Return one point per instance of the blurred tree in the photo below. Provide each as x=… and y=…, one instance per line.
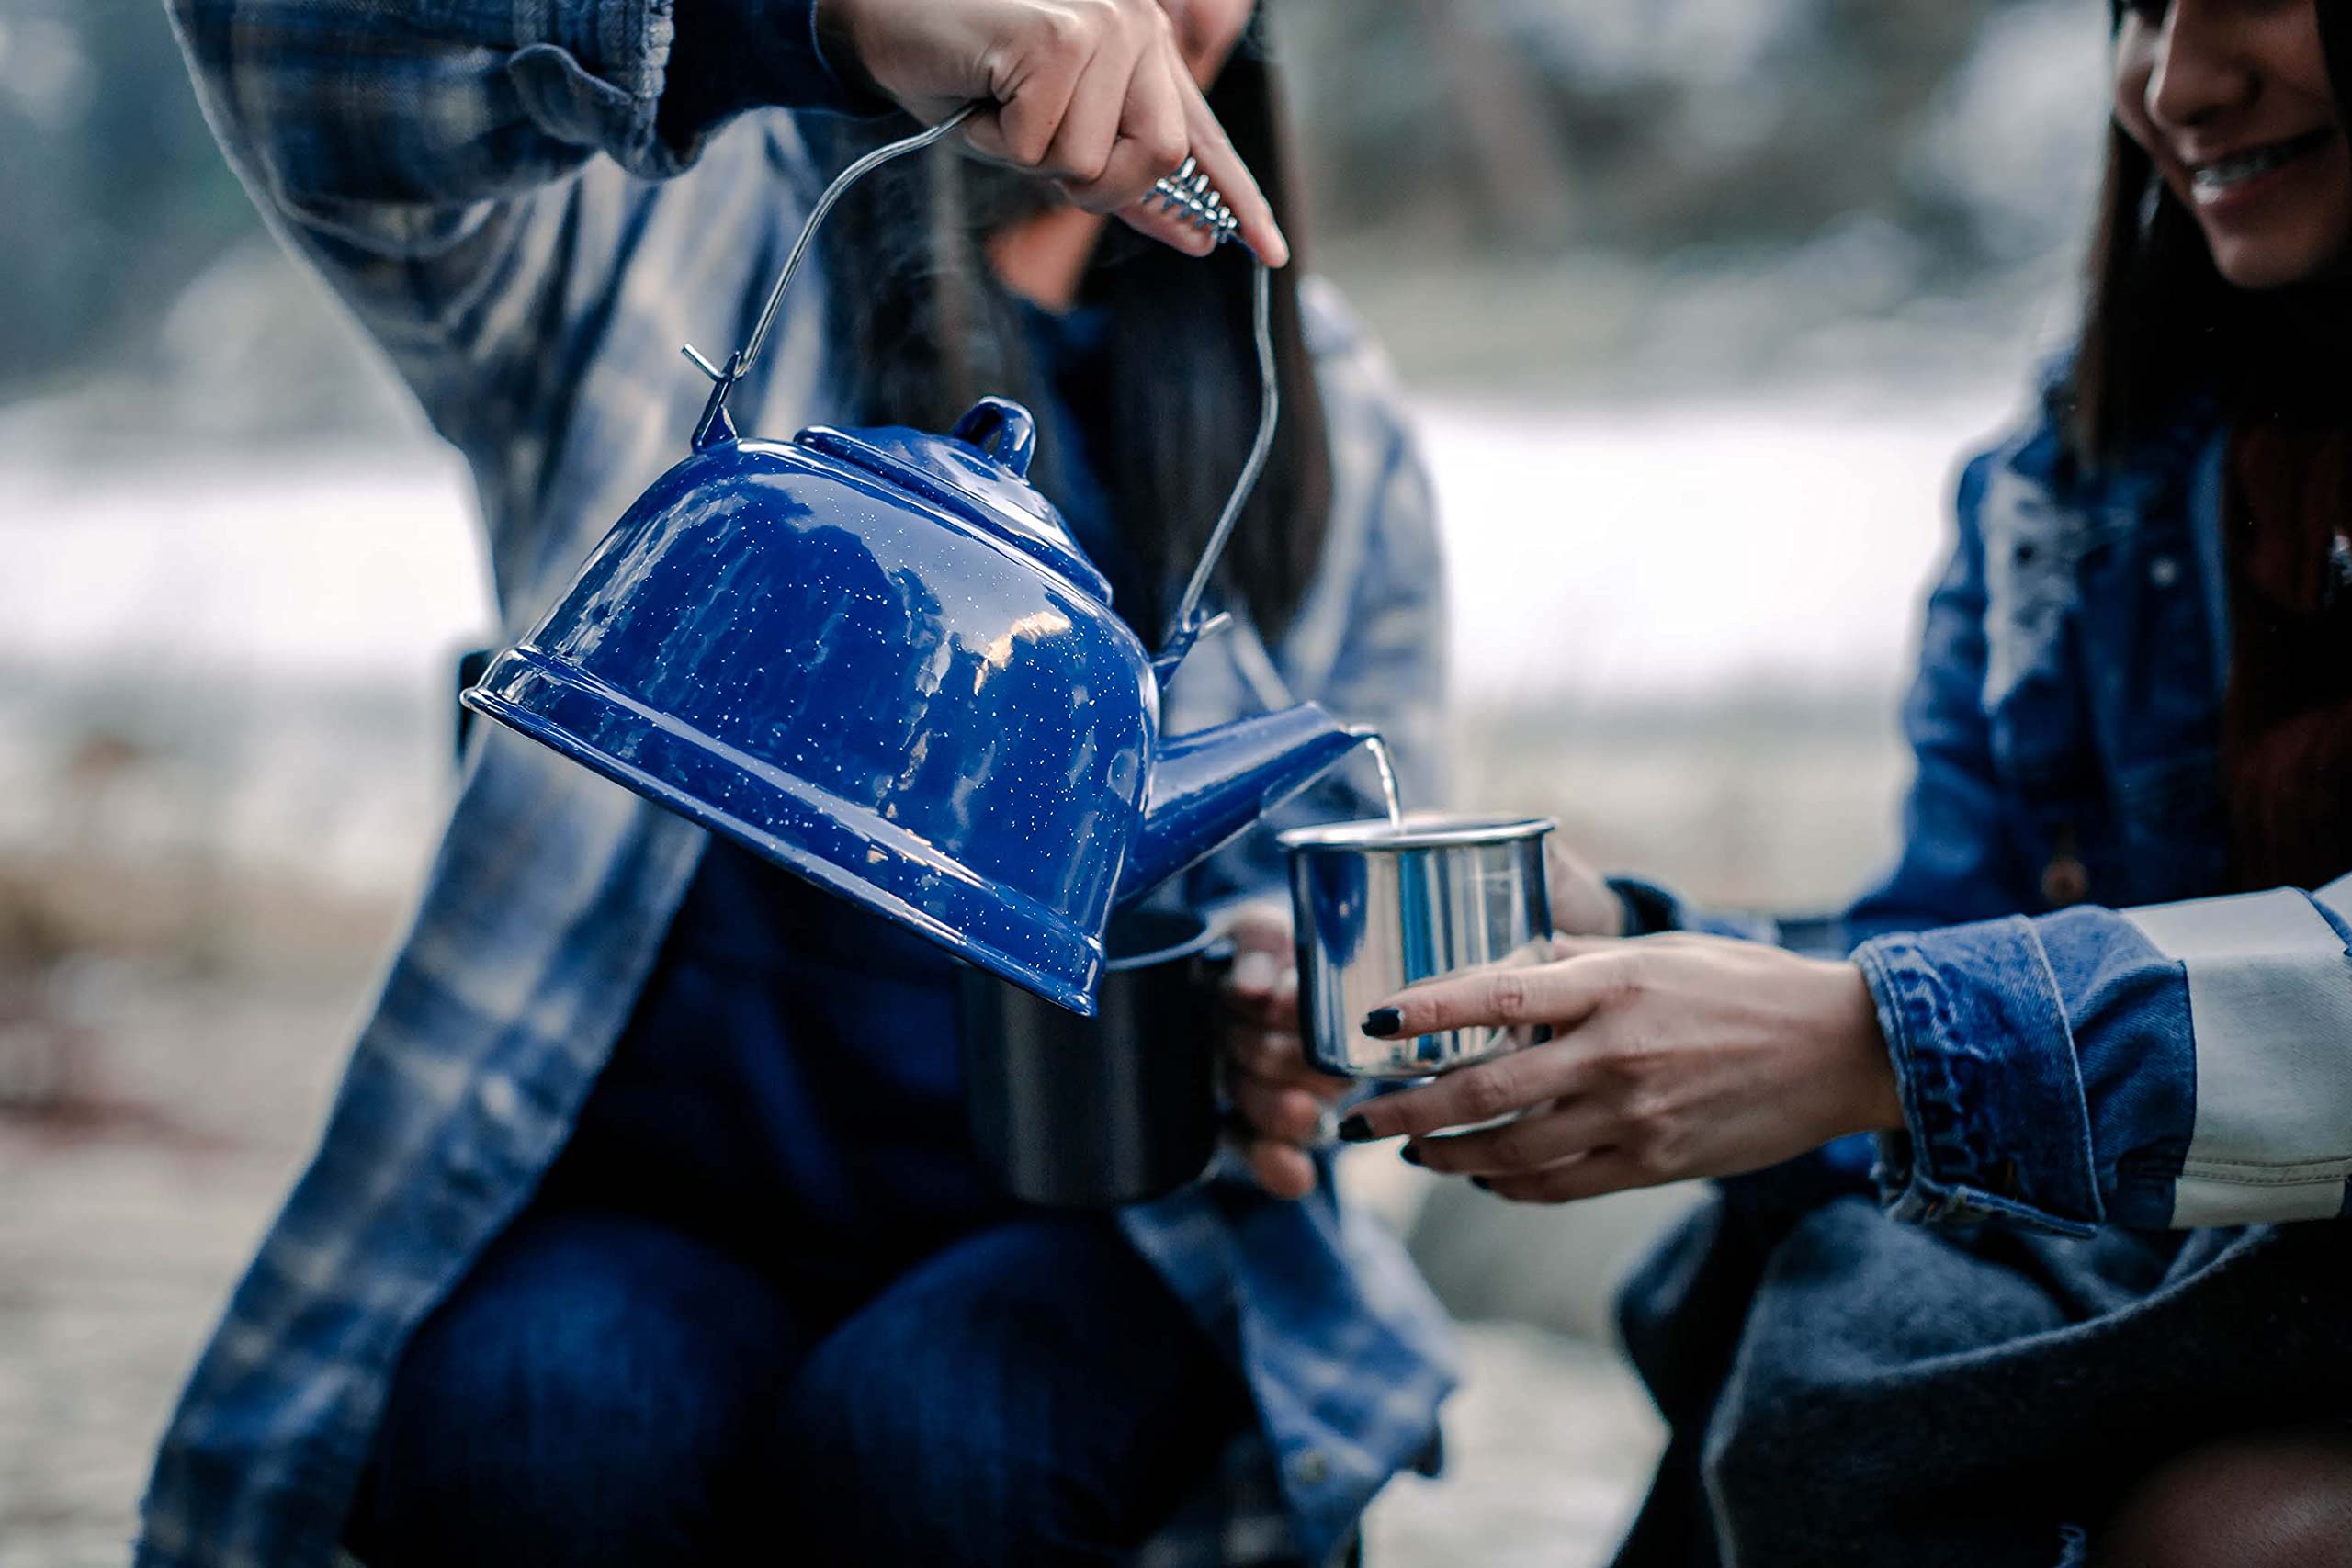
x=112, y=193
x=1638, y=130
x=1636, y=126
x=1492, y=99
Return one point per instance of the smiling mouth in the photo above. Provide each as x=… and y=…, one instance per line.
x=2255, y=163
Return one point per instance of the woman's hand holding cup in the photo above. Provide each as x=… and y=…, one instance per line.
x=1671, y=1057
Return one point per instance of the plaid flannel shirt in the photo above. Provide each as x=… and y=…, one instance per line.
x=485, y=184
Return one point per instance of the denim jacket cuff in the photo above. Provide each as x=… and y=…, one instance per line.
x=1995, y=1123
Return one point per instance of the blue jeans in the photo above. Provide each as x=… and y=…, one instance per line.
x=605, y=1389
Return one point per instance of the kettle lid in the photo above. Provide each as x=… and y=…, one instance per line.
x=980, y=471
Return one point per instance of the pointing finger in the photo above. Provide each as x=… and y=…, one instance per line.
x=1228, y=174
x=1562, y=994
x=1232, y=178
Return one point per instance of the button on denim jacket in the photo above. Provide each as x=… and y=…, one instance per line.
x=2152, y=1055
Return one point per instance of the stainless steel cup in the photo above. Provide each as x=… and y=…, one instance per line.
x=1378, y=908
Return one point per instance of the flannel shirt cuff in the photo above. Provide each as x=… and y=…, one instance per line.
x=591, y=72
x=1996, y=1120
x=596, y=72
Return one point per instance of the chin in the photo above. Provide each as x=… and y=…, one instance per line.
x=2260, y=264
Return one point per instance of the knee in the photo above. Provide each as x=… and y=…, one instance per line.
x=2268, y=1501
x=890, y=1466
x=581, y=1400
x=484, y=1463
x=994, y=1406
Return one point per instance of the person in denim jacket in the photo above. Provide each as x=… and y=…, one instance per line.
x=2099, y=1016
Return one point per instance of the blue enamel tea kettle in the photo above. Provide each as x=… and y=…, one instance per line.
x=880, y=658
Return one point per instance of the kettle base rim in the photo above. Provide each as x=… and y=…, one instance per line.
x=1072, y=989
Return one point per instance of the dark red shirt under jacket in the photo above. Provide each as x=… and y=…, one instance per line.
x=2287, y=719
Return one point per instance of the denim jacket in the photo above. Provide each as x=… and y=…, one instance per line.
x=494, y=187
x=2085, y=1030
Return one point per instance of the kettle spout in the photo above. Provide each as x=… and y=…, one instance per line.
x=1208, y=786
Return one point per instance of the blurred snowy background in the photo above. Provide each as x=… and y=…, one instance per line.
x=1701, y=302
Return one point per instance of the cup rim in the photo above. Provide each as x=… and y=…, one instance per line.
x=1188, y=932
x=1422, y=831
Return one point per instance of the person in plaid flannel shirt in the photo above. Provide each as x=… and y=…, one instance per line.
x=641, y=1229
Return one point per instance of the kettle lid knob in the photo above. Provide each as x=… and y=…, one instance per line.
x=979, y=471
x=1003, y=430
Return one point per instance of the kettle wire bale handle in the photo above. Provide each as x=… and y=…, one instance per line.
x=1188, y=192
x=739, y=364
x=1187, y=624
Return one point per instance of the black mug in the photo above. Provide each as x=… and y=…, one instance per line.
x=1093, y=1114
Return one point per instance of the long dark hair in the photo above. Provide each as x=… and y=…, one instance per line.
x=2161, y=325
x=925, y=327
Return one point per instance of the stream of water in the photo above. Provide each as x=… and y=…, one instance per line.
x=1389, y=794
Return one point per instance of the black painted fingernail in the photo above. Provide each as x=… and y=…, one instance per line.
x=1482, y=1184
x=1356, y=1130
x=1410, y=1155
x=1381, y=1022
